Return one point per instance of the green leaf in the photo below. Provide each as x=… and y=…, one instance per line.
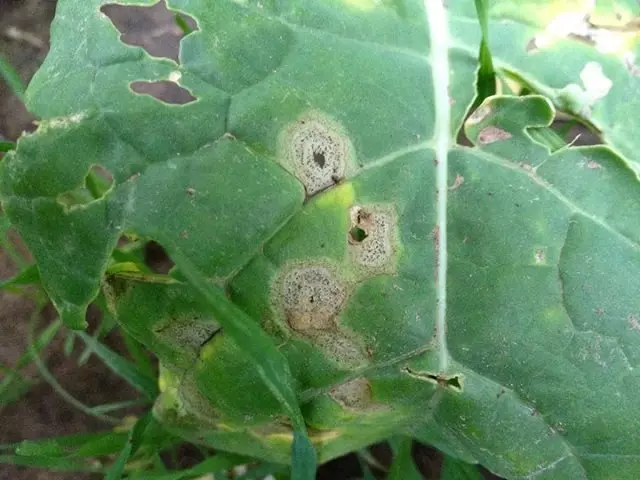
x=582, y=55
x=122, y=367
x=6, y=146
x=453, y=469
x=342, y=265
x=403, y=466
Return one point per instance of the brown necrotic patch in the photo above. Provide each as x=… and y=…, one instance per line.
x=371, y=236
x=188, y=332
x=354, y=394
x=316, y=150
x=312, y=297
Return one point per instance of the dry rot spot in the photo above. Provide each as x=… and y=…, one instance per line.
x=593, y=165
x=634, y=322
x=354, y=394
x=457, y=183
x=540, y=256
x=191, y=333
x=479, y=114
x=312, y=297
x=370, y=237
x=599, y=311
x=164, y=91
x=317, y=151
x=191, y=191
x=492, y=134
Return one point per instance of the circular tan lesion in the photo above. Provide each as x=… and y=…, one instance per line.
x=371, y=236
x=354, y=394
x=312, y=297
x=316, y=149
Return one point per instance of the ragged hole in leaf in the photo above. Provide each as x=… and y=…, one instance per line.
x=97, y=183
x=312, y=296
x=164, y=91
x=157, y=259
x=156, y=29
x=357, y=235
x=453, y=382
x=316, y=150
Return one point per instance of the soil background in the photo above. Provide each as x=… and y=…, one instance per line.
x=24, y=40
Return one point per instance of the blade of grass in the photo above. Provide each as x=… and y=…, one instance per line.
x=56, y=464
x=218, y=464
x=270, y=364
x=48, y=377
x=12, y=79
x=403, y=467
x=44, y=339
x=122, y=367
x=132, y=445
x=112, y=407
x=138, y=354
x=486, y=75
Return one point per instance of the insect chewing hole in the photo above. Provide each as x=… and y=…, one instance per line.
x=357, y=234
x=165, y=91
x=156, y=29
x=319, y=159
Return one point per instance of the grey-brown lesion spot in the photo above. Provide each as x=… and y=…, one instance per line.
x=312, y=297
x=317, y=151
x=371, y=237
x=354, y=394
x=189, y=332
x=492, y=134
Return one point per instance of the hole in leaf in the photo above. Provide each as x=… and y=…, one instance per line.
x=357, y=234
x=156, y=29
x=157, y=259
x=164, y=91
x=319, y=159
x=96, y=184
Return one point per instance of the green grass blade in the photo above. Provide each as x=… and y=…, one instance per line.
x=265, y=357
x=53, y=382
x=131, y=446
x=112, y=407
x=55, y=464
x=215, y=465
x=486, y=75
x=139, y=354
x=72, y=446
x=12, y=79
x=10, y=385
x=122, y=367
x=403, y=467
x=303, y=459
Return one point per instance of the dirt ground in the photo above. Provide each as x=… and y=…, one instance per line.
x=24, y=38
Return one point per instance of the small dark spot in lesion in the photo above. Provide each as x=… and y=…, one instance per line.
x=319, y=159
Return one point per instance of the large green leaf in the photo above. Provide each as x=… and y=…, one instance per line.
x=582, y=54
x=486, y=304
